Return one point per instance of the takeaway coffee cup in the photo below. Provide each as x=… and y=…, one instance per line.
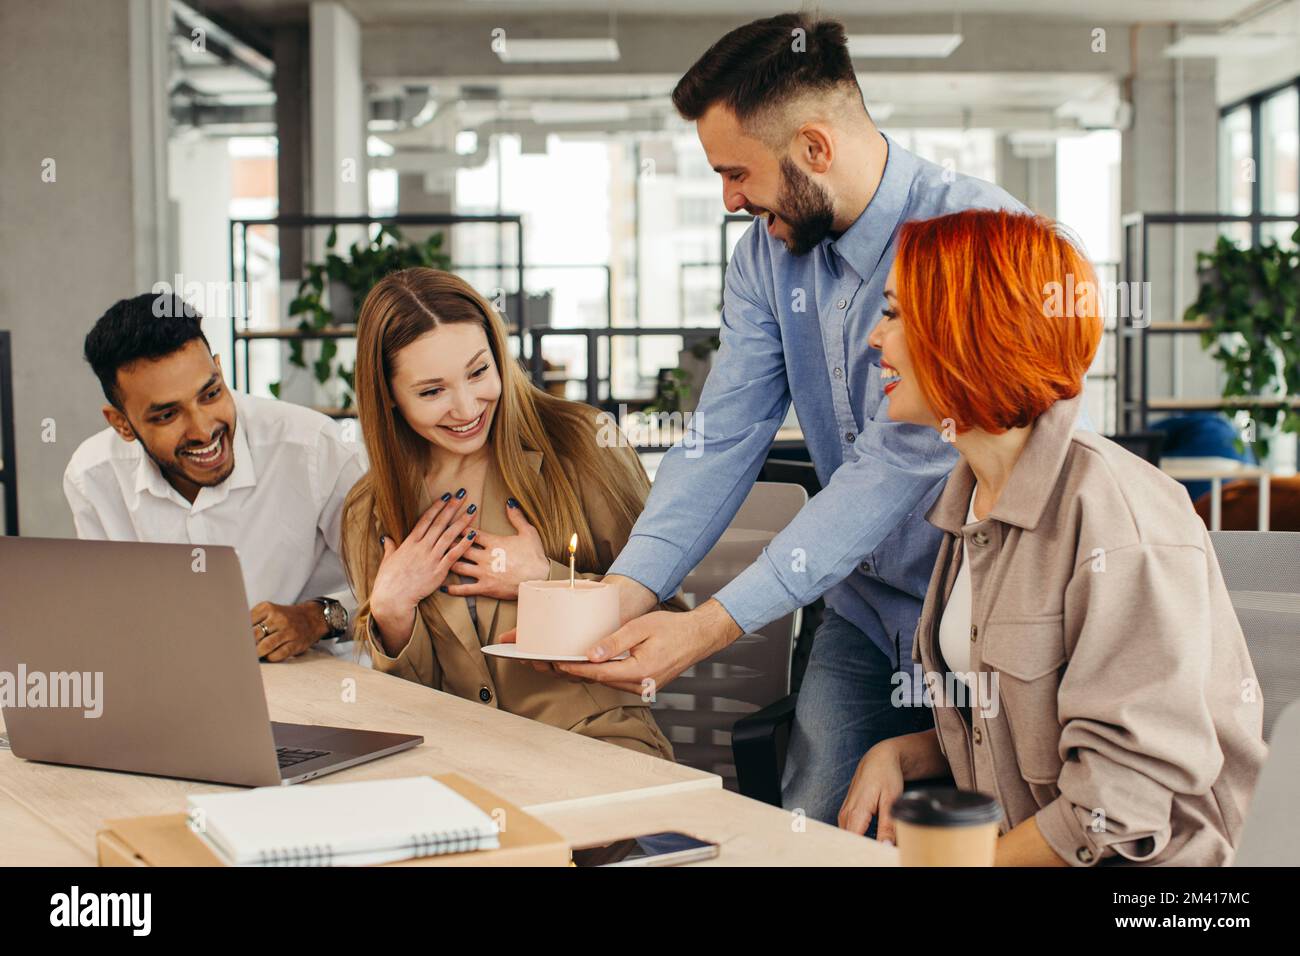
x=943, y=826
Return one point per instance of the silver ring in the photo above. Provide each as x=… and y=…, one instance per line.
x=265, y=631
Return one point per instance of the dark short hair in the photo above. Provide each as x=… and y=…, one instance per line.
x=760, y=65
x=149, y=326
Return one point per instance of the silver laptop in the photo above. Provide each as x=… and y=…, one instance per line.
x=140, y=657
x=1271, y=834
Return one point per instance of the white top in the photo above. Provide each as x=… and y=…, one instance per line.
x=281, y=508
x=954, y=626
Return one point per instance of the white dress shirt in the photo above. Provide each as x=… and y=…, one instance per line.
x=954, y=626
x=281, y=508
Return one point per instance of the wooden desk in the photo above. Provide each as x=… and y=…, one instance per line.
x=749, y=833
x=524, y=760
x=590, y=792
x=27, y=840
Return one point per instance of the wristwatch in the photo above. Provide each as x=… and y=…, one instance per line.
x=336, y=616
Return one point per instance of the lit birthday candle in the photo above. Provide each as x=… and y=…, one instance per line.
x=573, y=548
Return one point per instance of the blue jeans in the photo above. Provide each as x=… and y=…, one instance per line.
x=844, y=710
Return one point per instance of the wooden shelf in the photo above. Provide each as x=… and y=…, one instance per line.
x=1202, y=326
x=333, y=332
x=792, y=434
x=1213, y=404
x=1193, y=471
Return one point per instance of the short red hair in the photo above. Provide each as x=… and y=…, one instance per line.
x=1001, y=312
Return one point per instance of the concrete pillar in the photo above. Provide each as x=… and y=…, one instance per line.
x=84, y=221
x=336, y=107
x=199, y=174
x=338, y=116
x=1169, y=164
x=293, y=132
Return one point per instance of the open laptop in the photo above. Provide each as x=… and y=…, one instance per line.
x=147, y=660
x=1271, y=835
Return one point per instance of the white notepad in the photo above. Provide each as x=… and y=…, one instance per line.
x=342, y=824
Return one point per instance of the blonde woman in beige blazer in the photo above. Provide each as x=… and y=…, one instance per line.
x=477, y=481
x=1077, y=640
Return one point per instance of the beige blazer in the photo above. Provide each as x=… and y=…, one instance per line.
x=444, y=650
x=1128, y=721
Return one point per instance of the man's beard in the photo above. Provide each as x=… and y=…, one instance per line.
x=805, y=208
x=172, y=469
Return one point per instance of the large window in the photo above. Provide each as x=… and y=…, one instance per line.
x=1236, y=169
x=623, y=230
x=1259, y=161
x=1279, y=175
x=564, y=191
x=1087, y=201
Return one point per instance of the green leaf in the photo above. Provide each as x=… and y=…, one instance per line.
x=1251, y=298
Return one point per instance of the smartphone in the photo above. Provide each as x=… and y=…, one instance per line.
x=668, y=848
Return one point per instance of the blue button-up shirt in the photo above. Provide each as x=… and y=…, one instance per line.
x=795, y=328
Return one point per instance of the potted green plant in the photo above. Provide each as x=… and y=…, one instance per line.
x=349, y=280
x=1250, y=297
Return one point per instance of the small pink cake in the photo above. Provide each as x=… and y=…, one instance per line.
x=556, y=620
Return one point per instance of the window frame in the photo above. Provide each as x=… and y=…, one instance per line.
x=1255, y=104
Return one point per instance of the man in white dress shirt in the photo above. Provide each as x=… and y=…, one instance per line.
x=185, y=460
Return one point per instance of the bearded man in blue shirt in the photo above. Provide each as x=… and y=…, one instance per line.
x=782, y=120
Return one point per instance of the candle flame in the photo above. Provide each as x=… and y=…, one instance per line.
x=573, y=543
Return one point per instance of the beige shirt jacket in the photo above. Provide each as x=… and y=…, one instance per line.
x=444, y=649
x=1127, y=719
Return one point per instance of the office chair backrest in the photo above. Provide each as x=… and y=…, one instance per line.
x=1146, y=445
x=696, y=710
x=1262, y=571
x=792, y=472
x=1271, y=833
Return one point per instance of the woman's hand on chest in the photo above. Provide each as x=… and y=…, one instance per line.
x=497, y=564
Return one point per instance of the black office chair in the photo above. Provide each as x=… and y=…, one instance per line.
x=759, y=740
x=791, y=472
x=1146, y=445
x=8, y=455
x=696, y=712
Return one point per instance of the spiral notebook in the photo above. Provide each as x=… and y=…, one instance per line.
x=342, y=824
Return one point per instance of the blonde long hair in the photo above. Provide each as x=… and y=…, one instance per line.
x=402, y=307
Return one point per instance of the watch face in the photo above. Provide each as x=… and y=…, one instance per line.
x=336, y=616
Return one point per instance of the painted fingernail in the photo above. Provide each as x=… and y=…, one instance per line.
x=460, y=494
x=443, y=589
x=470, y=536
x=511, y=503
x=471, y=509
x=446, y=496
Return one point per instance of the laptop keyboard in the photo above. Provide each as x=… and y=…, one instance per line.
x=288, y=756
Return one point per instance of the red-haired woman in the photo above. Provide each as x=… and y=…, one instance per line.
x=1077, y=642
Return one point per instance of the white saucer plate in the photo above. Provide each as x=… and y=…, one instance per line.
x=512, y=652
